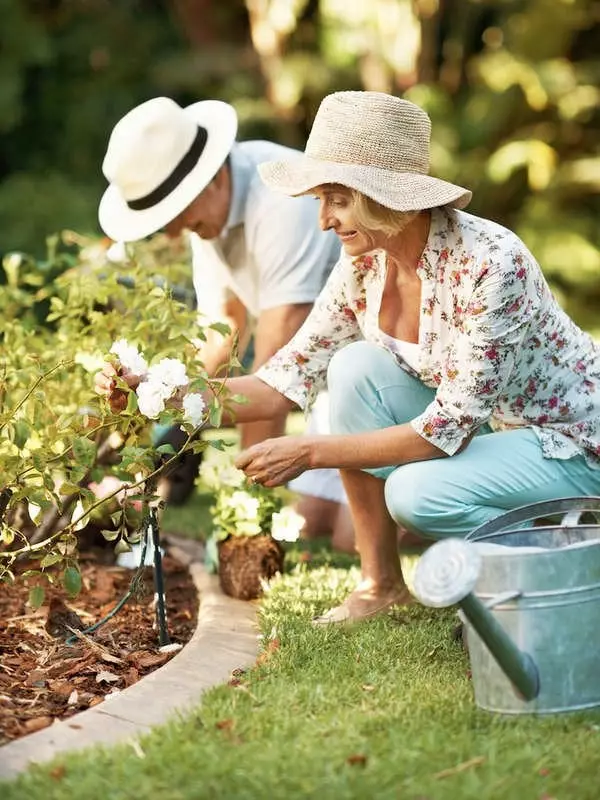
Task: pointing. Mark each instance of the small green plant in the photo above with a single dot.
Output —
(242, 508)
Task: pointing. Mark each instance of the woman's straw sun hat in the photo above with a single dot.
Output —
(373, 142)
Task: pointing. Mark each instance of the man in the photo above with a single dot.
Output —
(259, 260)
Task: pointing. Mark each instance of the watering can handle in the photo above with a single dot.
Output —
(573, 508)
(446, 574)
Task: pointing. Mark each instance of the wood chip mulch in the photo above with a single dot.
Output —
(43, 679)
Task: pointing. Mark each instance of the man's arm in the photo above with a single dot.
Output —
(274, 328)
(216, 350)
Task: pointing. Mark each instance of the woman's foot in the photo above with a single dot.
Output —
(364, 604)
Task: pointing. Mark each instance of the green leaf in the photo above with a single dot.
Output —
(6, 574)
(220, 327)
(77, 474)
(22, 431)
(117, 517)
(68, 488)
(132, 403)
(215, 416)
(241, 399)
(122, 547)
(198, 385)
(84, 451)
(72, 581)
(38, 462)
(7, 536)
(110, 536)
(36, 596)
(67, 544)
(166, 448)
(200, 446)
(97, 474)
(50, 559)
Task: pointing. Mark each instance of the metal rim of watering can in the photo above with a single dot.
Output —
(573, 508)
(446, 573)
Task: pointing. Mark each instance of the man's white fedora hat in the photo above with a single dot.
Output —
(160, 156)
(373, 142)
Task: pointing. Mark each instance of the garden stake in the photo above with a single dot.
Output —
(159, 587)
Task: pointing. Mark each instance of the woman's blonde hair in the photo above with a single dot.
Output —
(372, 216)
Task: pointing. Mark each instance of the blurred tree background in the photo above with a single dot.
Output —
(511, 86)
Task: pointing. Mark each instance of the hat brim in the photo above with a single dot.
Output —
(123, 224)
(400, 191)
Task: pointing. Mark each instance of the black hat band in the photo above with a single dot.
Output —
(172, 181)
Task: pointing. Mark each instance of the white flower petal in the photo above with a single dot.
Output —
(193, 408)
(130, 357)
(150, 401)
(170, 372)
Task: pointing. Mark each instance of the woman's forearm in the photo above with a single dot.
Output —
(397, 445)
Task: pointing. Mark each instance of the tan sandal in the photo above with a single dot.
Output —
(345, 614)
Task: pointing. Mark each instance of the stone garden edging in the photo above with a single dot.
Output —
(226, 637)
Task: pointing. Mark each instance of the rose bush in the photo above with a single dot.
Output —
(59, 442)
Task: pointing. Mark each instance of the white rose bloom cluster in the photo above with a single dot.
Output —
(246, 510)
(159, 383)
(130, 357)
(169, 374)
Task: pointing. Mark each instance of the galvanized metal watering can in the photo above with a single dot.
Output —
(529, 593)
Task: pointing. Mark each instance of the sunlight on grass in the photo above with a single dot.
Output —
(379, 710)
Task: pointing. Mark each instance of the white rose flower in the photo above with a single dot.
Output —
(193, 408)
(246, 507)
(209, 473)
(286, 525)
(130, 357)
(151, 400)
(232, 477)
(170, 372)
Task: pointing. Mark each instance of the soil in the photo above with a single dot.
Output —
(245, 562)
(42, 678)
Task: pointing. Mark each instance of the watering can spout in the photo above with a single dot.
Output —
(447, 574)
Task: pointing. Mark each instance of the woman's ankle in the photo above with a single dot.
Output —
(381, 586)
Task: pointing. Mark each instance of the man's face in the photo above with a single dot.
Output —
(207, 214)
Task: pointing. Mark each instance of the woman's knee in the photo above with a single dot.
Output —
(352, 379)
(418, 502)
(352, 364)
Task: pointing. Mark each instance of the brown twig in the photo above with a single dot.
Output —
(465, 765)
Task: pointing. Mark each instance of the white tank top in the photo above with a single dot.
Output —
(409, 351)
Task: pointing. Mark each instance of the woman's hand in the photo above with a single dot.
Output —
(105, 384)
(276, 461)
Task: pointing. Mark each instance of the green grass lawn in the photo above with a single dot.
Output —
(379, 710)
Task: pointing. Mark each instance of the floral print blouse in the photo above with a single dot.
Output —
(493, 341)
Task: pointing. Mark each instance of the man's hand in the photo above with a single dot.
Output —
(276, 461)
(105, 384)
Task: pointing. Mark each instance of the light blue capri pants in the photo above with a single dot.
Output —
(445, 496)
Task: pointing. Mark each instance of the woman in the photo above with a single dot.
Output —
(458, 387)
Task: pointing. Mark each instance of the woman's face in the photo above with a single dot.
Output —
(336, 214)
